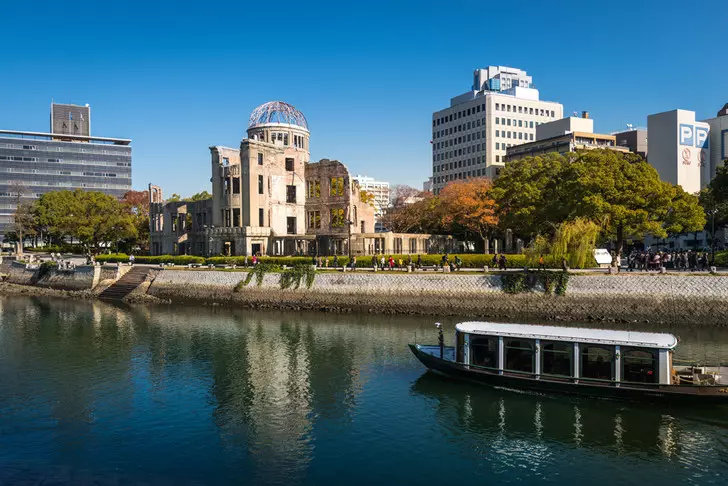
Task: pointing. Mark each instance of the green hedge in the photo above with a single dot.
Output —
(469, 260)
(721, 259)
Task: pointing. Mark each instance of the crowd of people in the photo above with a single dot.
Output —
(685, 260)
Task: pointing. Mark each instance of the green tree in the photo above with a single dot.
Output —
(714, 200)
(618, 191)
(522, 191)
(92, 218)
(200, 196)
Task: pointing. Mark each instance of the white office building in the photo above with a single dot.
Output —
(470, 137)
(380, 190)
(678, 147)
(718, 139)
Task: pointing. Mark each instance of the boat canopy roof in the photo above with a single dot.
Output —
(571, 334)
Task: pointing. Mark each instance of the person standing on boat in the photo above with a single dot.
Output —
(440, 340)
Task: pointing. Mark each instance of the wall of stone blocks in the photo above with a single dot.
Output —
(702, 300)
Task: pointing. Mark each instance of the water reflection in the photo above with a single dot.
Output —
(211, 395)
(507, 418)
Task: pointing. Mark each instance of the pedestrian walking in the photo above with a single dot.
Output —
(541, 263)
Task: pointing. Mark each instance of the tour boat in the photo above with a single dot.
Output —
(580, 361)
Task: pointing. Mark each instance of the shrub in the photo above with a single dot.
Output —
(258, 272)
(514, 283)
(293, 276)
(562, 281)
(721, 259)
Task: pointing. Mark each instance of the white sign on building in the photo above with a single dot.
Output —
(679, 148)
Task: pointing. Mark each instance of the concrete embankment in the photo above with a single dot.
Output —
(669, 299)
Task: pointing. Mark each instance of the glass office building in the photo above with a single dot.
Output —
(45, 162)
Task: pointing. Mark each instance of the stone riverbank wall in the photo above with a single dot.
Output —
(83, 277)
(668, 299)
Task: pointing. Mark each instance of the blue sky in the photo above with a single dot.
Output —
(178, 77)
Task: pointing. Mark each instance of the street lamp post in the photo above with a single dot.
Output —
(712, 237)
(348, 244)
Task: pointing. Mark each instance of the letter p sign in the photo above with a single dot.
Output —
(701, 137)
(686, 135)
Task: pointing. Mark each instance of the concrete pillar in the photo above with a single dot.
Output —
(509, 241)
(496, 248)
(519, 245)
(487, 245)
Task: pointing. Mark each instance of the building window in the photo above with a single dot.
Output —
(261, 219)
(337, 186)
(225, 161)
(314, 219)
(236, 185)
(236, 217)
(260, 158)
(314, 188)
(291, 225)
(260, 184)
(289, 164)
(290, 194)
(337, 217)
(497, 158)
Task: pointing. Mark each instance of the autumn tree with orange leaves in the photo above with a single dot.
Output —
(467, 204)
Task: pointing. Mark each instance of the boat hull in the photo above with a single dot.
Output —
(632, 392)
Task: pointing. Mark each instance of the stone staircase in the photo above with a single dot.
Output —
(126, 284)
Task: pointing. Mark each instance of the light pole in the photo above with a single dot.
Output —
(348, 244)
(712, 237)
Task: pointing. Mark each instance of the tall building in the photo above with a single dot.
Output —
(380, 191)
(68, 157)
(678, 147)
(635, 139)
(718, 139)
(563, 136)
(471, 136)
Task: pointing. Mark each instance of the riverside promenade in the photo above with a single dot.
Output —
(672, 298)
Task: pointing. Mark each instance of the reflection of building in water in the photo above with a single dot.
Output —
(515, 424)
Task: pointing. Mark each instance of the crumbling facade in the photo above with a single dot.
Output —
(335, 211)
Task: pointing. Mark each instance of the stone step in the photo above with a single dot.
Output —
(126, 284)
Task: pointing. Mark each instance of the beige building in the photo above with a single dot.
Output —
(334, 208)
(178, 227)
(258, 190)
(563, 136)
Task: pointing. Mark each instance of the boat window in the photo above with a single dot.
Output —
(557, 358)
(460, 349)
(639, 365)
(519, 355)
(484, 351)
(597, 362)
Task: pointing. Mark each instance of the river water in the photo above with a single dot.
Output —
(99, 394)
